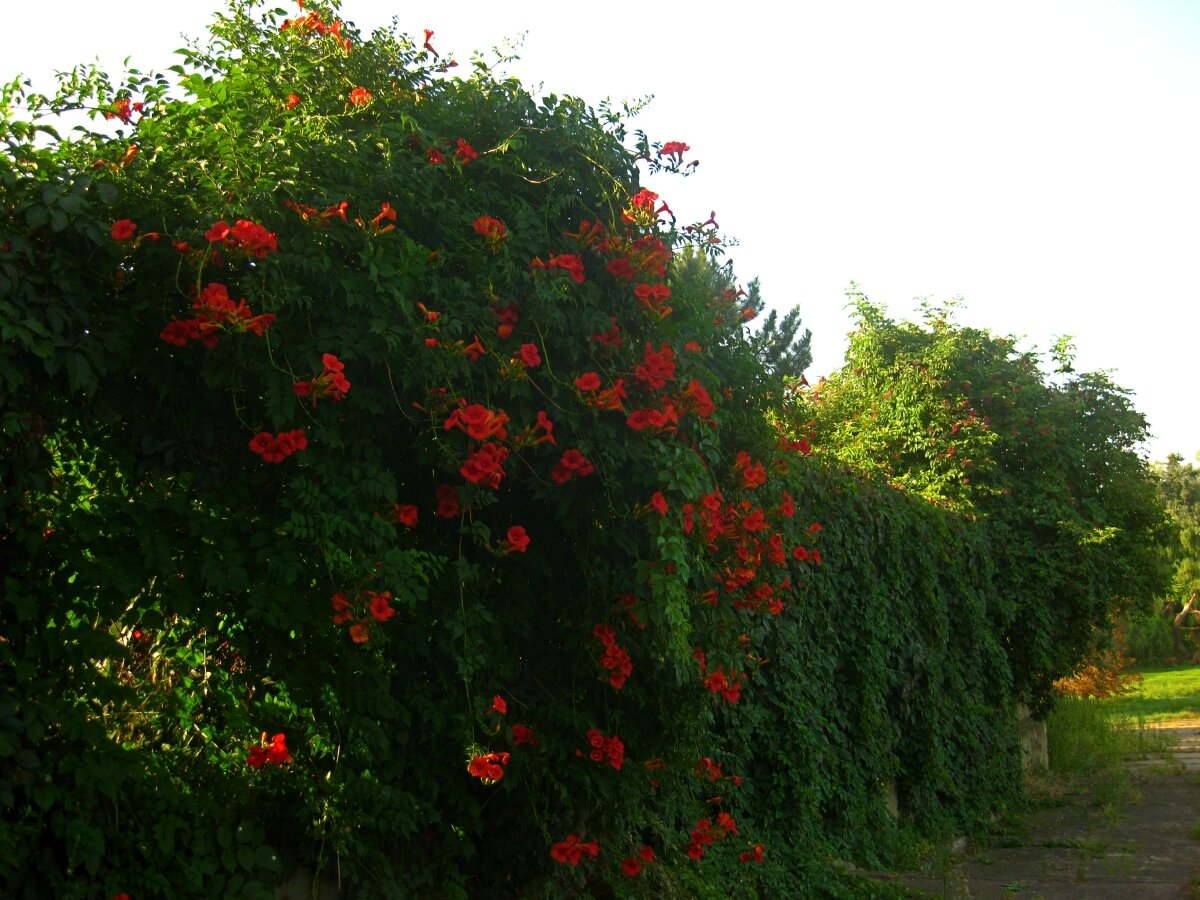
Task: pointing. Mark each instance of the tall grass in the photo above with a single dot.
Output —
(1082, 739)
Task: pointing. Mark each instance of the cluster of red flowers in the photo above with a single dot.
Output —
(656, 368)
(529, 356)
(361, 96)
(653, 297)
(706, 832)
(479, 422)
(330, 383)
(244, 235)
(719, 681)
(572, 464)
(571, 850)
(377, 605)
(800, 553)
(491, 230)
(660, 420)
(674, 149)
(216, 312)
(641, 211)
(314, 24)
(615, 659)
(523, 735)
(275, 753)
(800, 445)
(571, 263)
(753, 473)
(606, 748)
(754, 854)
(488, 767)
(632, 865)
(485, 465)
(465, 153)
(123, 110)
(659, 503)
(610, 338)
(315, 216)
(278, 447)
(448, 503)
(509, 316)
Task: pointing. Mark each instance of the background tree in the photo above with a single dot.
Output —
(784, 350)
(1049, 468)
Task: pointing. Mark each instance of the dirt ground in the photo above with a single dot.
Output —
(1128, 838)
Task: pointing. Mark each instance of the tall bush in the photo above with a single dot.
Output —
(373, 504)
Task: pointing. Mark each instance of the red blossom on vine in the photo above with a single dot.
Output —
(610, 338)
(465, 152)
(277, 448)
(360, 96)
(478, 422)
(516, 540)
(380, 605)
(606, 748)
(754, 854)
(341, 608)
(331, 382)
(571, 850)
(616, 659)
(405, 514)
(275, 753)
(523, 736)
(490, 229)
(499, 705)
(123, 230)
(571, 263)
(448, 505)
(572, 464)
(657, 367)
(674, 149)
(488, 767)
(588, 381)
(485, 465)
(385, 213)
(529, 356)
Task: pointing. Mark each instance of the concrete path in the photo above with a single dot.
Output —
(1136, 840)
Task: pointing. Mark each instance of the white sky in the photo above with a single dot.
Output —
(1040, 159)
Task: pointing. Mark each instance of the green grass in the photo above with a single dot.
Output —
(1163, 695)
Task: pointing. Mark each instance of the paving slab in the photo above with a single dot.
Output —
(1088, 843)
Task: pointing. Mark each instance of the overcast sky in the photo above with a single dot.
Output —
(1040, 159)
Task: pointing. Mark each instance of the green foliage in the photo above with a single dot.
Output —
(889, 673)
(959, 417)
(1150, 639)
(310, 339)
(1179, 486)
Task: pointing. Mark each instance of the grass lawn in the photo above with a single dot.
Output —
(1164, 694)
